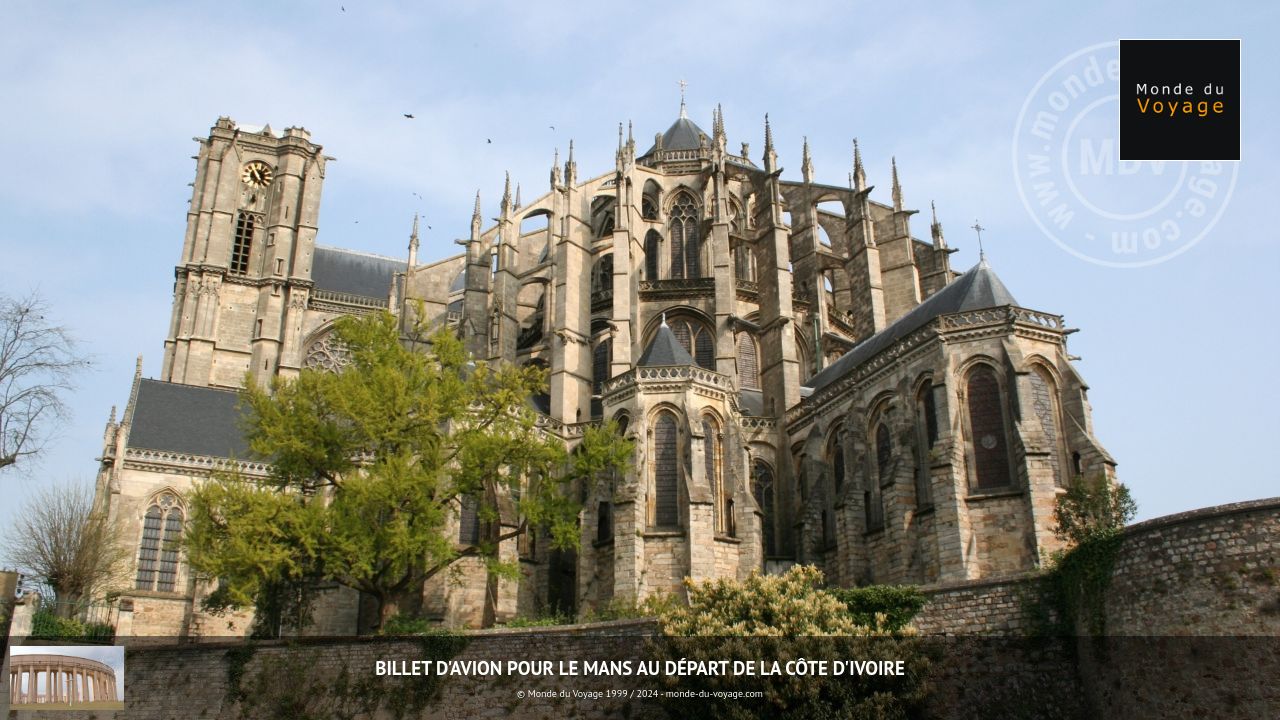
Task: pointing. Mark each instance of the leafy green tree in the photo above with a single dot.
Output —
(889, 607)
(369, 465)
(1094, 507)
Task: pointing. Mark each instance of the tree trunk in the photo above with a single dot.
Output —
(406, 602)
(65, 603)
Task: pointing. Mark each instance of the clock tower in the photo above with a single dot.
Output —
(244, 278)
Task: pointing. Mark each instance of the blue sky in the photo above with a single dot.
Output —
(102, 101)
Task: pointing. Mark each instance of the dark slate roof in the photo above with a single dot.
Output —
(682, 135)
(665, 349)
(187, 419)
(979, 288)
(357, 273)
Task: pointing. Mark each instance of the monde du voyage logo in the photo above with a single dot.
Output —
(1123, 151)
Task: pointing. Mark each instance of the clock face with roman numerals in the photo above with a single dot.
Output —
(256, 174)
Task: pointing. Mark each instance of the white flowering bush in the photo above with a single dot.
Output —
(784, 619)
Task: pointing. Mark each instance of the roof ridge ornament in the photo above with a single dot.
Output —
(683, 113)
(982, 255)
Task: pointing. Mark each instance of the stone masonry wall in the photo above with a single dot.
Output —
(1214, 571)
(1195, 597)
(978, 607)
(1192, 616)
(333, 677)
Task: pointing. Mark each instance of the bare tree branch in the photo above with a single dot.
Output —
(38, 361)
(60, 540)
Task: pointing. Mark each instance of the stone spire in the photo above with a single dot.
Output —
(806, 164)
(770, 156)
(684, 115)
(859, 174)
(555, 170)
(518, 203)
(936, 228)
(506, 196)
(475, 219)
(571, 168)
(413, 242)
(897, 187)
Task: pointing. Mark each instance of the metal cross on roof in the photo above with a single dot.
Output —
(683, 85)
(978, 228)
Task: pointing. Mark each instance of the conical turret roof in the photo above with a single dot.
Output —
(665, 349)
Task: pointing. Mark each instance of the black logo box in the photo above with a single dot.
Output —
(1160, 77)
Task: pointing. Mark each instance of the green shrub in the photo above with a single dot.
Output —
(531, 621)
(47, 626)
(886, 607)
(782, 618)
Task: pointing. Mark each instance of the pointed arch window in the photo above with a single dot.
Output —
(602, 277)
(686, 246)
(242, 244)
(748, 362)
(158, 550)
(884, 468)
(762, 489)
(651, 241)
(835, 453)
(695, 338)
(469, 521)
(837, 464)
(713, 457)
(926, 437)
(665, 508)
(987, 436)
(1044, 401)
(601, 356)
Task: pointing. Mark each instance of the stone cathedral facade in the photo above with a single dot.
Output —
(806, 381)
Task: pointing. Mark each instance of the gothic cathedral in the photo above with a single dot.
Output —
(805, 380)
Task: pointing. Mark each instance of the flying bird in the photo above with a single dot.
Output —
(342, 8)
(488, 140)
(553, 127)
(409, 115)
